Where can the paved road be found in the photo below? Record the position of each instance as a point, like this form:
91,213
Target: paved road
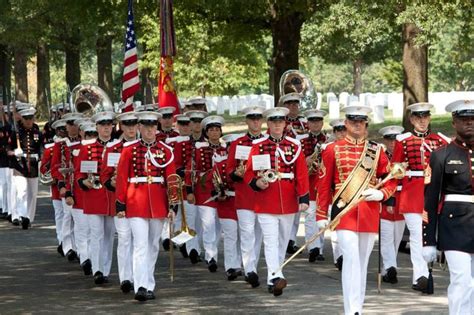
35,279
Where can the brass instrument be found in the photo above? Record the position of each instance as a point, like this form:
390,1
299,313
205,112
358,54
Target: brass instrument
269,176
296,81
90,99
314,159
45,178
175,198
218,184
240,169
94,180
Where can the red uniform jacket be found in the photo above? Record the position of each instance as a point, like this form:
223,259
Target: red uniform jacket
205,155
244,195
284,195
149,168
46,166
338,160
95,201
309,142
226,208
408,149
107,172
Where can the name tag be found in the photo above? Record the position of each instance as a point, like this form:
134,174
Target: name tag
89,167
242,152
113,159
261,162
455,162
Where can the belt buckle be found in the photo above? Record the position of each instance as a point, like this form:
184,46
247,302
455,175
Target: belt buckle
150,179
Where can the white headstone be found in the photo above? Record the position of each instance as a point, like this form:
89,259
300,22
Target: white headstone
330,96
354,99
221,105
344,99
378,114
320,100
334,109
234,106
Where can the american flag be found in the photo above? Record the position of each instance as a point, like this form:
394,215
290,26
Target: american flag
130,79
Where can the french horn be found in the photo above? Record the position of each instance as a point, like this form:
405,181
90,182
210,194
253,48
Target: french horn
296,81
89,99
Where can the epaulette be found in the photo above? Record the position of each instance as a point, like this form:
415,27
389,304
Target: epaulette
201,144
87,142
71,144
224,145
302,136
403,136
48,145
257,141
113,143
293,140
219,158
180,139
129,143
324,145
444,137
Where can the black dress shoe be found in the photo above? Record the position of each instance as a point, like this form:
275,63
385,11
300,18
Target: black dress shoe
270,288
421,284
252,279
183,250
339,262
278,285
16,222
313,254
166,244
232,274
106,279
87,267
60,249
71,255
150,295
141,294
194,256
126,286
9,218
212,265
292,248
25,223
99,277
390,276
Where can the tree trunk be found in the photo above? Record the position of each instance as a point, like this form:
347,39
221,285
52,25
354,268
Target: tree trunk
5,74
415,71
357,76
73,63
147,86
43,91
104,64
20,72
286,37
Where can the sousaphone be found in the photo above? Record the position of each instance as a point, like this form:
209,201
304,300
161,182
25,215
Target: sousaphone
296,81
89,99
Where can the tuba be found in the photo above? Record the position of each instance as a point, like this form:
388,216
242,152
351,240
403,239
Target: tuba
90,99
296,81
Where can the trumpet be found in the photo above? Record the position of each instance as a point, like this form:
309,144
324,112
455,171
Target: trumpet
94,180
45,178
269,176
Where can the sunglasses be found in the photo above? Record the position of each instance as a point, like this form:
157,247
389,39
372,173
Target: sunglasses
70,122
105,122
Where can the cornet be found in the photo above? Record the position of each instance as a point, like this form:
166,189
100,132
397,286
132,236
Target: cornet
269,176
94,180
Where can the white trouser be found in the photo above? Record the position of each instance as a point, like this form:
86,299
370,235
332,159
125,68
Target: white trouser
276,230
199,231
191,220
165,232
391,234
311,228
26,191
414,225
58,219
11,194
294,227
101,243
232,257
356,249
210,231
336,249
461,282
67,228
4,188
250,239
124,248
146,246
81,233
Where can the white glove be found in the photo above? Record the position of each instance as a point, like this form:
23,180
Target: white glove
372,194
322,224
18,152
429,253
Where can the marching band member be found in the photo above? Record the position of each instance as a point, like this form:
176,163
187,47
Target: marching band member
25,162
392,223
141,196
415,149
225,196
129,126
184,153
62,169
59,126
277,171
249,229
199,188
451,229
5,171
97,201
353,164
183,123
311,147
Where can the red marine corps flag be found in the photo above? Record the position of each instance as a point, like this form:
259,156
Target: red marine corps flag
166,89
130,79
